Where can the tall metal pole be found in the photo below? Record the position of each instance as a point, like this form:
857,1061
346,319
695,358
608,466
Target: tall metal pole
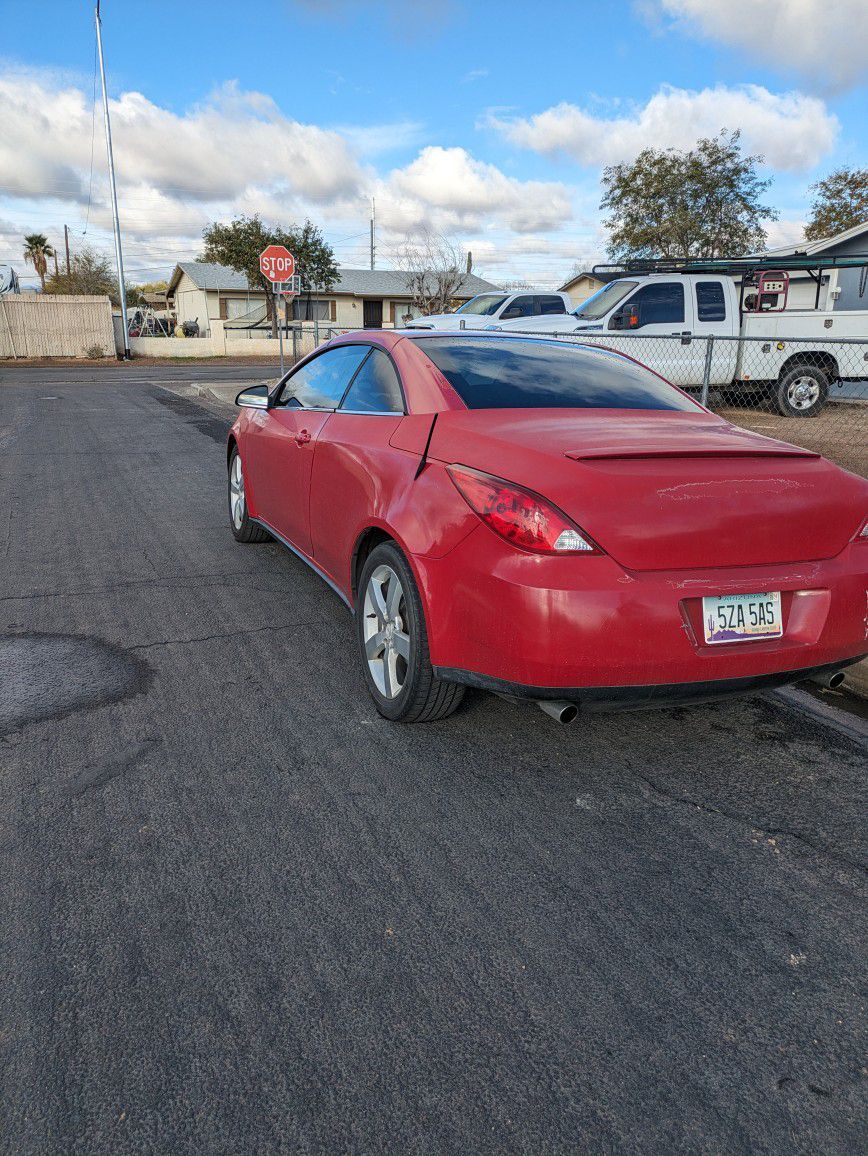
373,228
111,165
66,244
279,329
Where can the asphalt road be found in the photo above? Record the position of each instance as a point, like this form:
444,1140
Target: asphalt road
240,913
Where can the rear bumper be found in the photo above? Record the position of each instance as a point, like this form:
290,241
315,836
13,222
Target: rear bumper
570,626
613,698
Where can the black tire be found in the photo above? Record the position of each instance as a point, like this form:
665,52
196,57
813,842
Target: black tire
244,529
802,391
418,695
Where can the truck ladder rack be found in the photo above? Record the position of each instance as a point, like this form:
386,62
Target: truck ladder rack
733,266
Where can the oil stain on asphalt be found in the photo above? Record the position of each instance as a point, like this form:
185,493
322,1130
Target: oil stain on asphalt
48,676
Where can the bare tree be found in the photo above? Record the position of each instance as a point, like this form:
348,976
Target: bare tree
436,269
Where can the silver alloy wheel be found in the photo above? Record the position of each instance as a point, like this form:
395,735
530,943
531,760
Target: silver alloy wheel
236,492
387,643
803,392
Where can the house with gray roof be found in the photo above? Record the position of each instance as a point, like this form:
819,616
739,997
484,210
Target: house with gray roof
361,298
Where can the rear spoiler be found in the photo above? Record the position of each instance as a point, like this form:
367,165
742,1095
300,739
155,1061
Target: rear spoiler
640,455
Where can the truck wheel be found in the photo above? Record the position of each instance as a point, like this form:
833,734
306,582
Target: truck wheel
802,391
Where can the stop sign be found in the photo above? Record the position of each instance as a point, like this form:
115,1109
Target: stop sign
276,263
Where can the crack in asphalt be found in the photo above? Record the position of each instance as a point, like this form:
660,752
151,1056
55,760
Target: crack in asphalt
227,634
735,816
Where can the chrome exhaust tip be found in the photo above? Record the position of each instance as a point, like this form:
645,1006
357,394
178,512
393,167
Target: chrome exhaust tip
561,711
830,680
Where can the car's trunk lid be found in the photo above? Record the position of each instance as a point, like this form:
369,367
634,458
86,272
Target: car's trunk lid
665,490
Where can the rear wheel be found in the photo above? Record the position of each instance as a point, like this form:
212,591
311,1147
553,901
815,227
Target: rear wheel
802,391
393,641
243,526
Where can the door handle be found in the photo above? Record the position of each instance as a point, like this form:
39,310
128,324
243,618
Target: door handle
302,437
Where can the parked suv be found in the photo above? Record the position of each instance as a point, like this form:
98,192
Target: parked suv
490,308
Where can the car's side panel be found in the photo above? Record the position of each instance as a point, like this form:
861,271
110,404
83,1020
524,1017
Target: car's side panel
359,481
278,450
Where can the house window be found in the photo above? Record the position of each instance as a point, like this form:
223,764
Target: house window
232,307
402,311
308,309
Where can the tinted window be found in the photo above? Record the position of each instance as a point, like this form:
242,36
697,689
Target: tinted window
498,373
710,304
520,307
551,305
375,387
320,384
659,304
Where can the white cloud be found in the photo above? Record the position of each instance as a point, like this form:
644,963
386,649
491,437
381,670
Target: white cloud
233,153
214,151
824,42
788,231
791,130
462,192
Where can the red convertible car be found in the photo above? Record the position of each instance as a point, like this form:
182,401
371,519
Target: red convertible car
550,522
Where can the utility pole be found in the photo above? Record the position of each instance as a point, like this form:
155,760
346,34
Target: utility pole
373,229
111,164
66,243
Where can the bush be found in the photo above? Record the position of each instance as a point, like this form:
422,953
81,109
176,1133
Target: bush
93,352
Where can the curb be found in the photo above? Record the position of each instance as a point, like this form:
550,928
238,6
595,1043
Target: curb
805,704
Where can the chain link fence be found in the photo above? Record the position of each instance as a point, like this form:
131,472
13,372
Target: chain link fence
801,390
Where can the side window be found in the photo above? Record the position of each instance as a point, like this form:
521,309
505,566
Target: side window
375,388
660,304
551,305
320,384
710,302
520,307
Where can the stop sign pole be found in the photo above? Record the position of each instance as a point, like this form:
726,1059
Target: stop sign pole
277,264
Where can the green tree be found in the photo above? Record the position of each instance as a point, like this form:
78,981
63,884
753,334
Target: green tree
136,293
705,202
840,202
239,243
37,252
90,274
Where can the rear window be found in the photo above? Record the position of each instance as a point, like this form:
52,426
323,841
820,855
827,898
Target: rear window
710,304
498,373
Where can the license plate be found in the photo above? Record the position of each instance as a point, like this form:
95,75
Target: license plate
742,617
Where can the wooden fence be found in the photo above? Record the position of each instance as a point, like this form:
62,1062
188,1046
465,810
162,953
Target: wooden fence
40,325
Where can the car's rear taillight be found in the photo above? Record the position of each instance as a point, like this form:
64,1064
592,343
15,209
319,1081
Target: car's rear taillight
519,515
863,533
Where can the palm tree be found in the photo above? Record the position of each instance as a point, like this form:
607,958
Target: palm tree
37,252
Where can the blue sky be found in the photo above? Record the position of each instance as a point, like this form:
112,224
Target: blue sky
487,122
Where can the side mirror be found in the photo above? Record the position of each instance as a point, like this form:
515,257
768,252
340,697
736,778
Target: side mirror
627,317
254,397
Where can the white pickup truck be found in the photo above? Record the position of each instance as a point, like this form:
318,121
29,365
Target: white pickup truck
494,308
781,363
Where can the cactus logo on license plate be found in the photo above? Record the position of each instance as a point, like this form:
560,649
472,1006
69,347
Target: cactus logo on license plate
742,617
